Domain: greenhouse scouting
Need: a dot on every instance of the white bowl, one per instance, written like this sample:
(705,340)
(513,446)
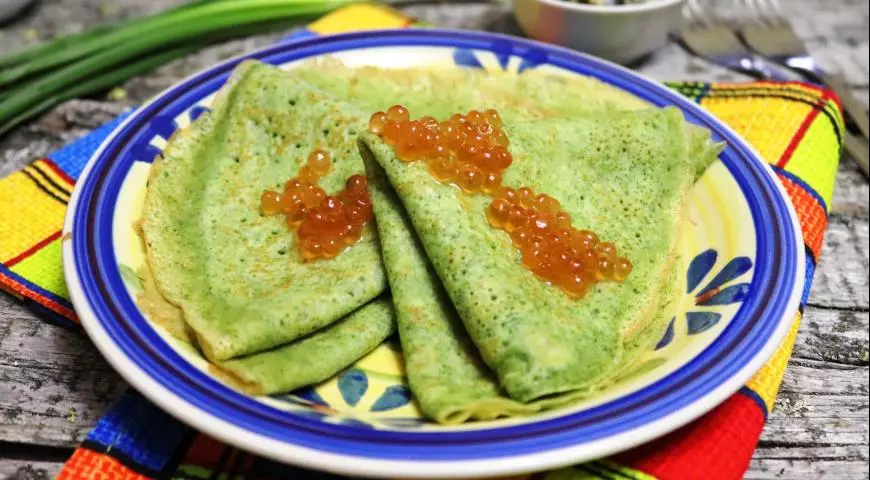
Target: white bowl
(620,33)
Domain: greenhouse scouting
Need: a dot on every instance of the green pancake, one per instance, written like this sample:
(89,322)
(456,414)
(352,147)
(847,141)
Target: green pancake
(445,372)
(306,361)
(624,175)
(518,97)
(443,92)
(315,358)
(236,275)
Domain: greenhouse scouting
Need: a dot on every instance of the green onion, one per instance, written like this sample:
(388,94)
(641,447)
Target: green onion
(100,83)
(65,42)
(107,56)
(115,76)
(61,43)
(166,29)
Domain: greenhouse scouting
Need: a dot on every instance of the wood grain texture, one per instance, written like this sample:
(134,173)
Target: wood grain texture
(24,462)
(818,428)
(54,385)
(841,275)
(16,469)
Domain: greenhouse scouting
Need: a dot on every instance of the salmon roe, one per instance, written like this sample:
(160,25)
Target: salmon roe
(571,259)
(471,152)
(325,225)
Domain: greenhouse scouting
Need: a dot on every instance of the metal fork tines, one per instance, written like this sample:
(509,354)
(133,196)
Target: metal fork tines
(768,36)
(771,35)
(709,37)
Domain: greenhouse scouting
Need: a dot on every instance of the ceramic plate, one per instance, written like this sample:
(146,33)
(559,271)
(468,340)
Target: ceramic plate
(740,290)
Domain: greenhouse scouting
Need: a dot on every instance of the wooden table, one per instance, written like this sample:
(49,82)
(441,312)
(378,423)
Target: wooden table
(54,385)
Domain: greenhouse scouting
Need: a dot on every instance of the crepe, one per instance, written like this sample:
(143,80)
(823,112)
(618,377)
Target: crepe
(306,361)
(625,176)
(443,92)
(449,380)
(444,370)
(235,274)
(316,357)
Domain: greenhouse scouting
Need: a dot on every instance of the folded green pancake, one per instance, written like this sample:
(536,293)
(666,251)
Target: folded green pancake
(449,380)
(624,175)
(445,372)
(314,358)
(236,275)
(306,361)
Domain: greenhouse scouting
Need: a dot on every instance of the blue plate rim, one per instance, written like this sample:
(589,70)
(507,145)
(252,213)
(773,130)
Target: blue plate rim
(515,442)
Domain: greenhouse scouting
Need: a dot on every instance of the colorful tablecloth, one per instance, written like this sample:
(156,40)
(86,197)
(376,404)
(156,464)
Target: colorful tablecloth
(796,127)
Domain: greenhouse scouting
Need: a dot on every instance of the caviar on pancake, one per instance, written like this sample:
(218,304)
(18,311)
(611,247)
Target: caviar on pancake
(471,152)
(572,259)
(325,225)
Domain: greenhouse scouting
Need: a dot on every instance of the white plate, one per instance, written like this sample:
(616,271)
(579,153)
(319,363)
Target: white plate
(741,289)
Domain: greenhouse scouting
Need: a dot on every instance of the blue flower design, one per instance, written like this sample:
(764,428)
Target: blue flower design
(316,408)
(667,337)
(309,396)
(503,51)
(715,293)
(394,396)
(197,112)
(353,384)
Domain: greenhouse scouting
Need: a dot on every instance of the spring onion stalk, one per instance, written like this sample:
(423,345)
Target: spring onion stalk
(40,83)
(166,29)
(23,55)
(76,39)
(112,78)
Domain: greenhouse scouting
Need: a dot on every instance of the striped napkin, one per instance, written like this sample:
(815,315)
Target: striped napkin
(796,127)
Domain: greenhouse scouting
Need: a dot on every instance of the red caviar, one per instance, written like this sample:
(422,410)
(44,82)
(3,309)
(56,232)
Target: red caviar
(325,225)
(468,151)
(574,260)
(471,152)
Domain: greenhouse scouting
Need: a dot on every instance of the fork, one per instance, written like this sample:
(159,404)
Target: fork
(709,37)
(772,36)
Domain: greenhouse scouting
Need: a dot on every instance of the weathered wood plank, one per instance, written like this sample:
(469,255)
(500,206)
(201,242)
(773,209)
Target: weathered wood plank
(14,469)
(818,428)
(28,462)
(54,385)
(841,275)
(861,93)
(813,377)
(850,191)
(806,468)
(820,404)
(810,431)
(836,336)
(772,450)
